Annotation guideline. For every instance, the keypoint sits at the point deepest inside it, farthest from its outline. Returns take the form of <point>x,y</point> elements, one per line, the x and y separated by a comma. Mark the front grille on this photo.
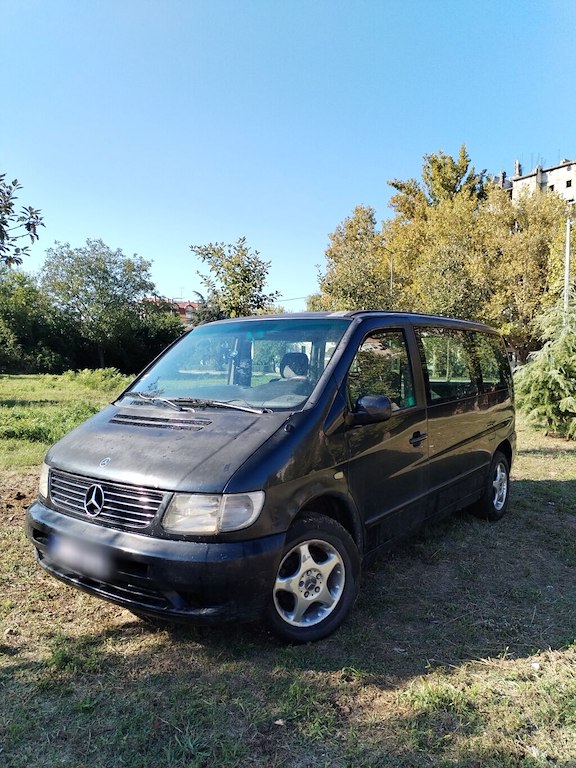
<point>127,507</point>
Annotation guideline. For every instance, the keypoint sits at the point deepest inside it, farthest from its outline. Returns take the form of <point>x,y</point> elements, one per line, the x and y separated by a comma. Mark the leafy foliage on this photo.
<point>546,386</point>
<point>102,294</point>
<point>456,245</point>
<point>208,309</point>
<point>531,262</point>
<point>356,276</point>
<point>33,334</point>
<point>444,178</point>
<point>89,308</point>
<point>236,283</point>
<point>14,225</point>
<point>10,350</point>
<point>102,379</point>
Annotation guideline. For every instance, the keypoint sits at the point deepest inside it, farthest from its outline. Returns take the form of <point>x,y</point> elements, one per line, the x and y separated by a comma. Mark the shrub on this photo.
<point>103,379</point>
<point>546,386</point>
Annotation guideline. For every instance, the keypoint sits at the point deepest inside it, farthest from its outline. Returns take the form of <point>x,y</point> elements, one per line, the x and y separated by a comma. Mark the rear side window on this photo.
<point>494,366</point>
<point>449,362</point>
<point>382,367</point>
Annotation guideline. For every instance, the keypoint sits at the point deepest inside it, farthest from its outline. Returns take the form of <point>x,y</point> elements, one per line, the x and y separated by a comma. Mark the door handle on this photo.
<point>418,438</point>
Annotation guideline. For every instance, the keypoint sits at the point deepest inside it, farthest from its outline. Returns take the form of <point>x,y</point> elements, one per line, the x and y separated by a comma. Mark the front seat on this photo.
<point>294,365</point>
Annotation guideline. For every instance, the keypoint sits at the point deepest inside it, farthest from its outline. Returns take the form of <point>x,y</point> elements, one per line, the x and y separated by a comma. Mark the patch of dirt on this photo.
<point>17,491</point>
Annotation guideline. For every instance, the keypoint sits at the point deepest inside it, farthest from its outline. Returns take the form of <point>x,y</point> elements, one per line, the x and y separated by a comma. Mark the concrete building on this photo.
<point>558,178</point>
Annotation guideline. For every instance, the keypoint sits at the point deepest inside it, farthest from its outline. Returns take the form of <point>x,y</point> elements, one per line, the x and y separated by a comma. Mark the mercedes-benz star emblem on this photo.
<point>94,501</point>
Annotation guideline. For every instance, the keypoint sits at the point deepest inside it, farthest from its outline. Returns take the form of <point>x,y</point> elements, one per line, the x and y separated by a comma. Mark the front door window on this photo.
<point>382,367</point>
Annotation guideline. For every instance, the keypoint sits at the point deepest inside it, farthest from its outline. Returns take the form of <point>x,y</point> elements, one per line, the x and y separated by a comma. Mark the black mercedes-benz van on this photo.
<point>250,469</point>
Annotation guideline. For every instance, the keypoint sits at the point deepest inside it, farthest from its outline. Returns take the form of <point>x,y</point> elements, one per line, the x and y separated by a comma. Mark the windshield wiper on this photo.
<point>199,403</point>
<point>157,400</point>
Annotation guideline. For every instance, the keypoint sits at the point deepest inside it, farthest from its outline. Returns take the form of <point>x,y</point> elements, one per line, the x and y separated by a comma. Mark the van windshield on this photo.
<point>269,364</point>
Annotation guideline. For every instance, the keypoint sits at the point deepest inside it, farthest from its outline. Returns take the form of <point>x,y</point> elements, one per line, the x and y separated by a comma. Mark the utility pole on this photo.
<point>567,269</point>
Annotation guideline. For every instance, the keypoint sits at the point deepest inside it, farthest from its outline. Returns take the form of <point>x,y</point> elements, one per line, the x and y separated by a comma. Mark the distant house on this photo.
<point>185,309</point>
<point>559,178</point>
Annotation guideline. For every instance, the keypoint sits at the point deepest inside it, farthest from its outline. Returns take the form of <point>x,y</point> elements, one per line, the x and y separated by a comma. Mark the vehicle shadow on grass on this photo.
<point>468,589</point>
<point>113,691</point>
<point>461,590</point>
<point>181,702</point>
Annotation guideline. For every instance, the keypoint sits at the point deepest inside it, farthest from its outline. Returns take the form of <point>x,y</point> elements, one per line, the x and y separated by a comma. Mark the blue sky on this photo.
<point>157,124</point>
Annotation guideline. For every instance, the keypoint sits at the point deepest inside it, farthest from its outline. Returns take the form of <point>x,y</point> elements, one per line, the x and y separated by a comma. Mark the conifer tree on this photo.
<point>546,386</point>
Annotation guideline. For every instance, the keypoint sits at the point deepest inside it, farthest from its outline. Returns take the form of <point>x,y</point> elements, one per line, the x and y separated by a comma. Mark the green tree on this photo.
<point>434,238</point>
<point>14,225</point>
<point>530,272</point>
<point>398,266</point>
<point>488,259</point>
<point>456,245</point>
<point>34,336</point>
<point>149,328</point>
<point>443,178</point>
<point>358,273</point>
<point>101,292</point>
<point>236,280</point>
<point>12,357</point>
<point>546,386</point>
<point>315,302</point>
<point>207,311</point>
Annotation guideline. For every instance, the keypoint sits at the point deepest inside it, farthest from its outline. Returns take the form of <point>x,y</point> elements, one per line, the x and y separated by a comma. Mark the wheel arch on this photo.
<point>506,448</point>
<point>341,511</point>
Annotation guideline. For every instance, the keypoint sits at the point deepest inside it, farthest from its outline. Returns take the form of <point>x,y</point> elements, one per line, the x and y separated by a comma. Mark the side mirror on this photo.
<point>370,409</point>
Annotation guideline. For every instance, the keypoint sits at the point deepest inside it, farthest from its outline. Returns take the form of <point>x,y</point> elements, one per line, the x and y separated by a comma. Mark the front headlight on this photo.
<point>44,477</point>
<point>196,513</point>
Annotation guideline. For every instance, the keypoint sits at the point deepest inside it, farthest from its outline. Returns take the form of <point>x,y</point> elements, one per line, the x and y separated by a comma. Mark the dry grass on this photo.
<point>460,652</point>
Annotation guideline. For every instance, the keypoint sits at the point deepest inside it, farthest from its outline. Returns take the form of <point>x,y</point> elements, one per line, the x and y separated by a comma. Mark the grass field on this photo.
<point>460,652</point>
<point>36,410</point>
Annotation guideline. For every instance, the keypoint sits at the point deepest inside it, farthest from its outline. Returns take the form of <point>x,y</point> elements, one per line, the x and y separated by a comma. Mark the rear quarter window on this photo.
<point>458,364</point>
<point>493,362</point>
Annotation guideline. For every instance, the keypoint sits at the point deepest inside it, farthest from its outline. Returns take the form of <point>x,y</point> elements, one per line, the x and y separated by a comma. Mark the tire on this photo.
<point>494,504</point>
<point>316,582</point>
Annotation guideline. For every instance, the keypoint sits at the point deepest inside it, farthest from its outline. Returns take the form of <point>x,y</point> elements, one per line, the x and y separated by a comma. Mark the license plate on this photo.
<point>80,557</point>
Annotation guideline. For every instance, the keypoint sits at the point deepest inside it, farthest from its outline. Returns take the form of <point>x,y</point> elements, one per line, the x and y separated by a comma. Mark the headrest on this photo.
<point>294,364</point>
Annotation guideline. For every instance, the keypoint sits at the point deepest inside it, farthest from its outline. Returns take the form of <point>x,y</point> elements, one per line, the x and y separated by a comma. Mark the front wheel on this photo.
<point>317,580</point>
<point>494,504</point>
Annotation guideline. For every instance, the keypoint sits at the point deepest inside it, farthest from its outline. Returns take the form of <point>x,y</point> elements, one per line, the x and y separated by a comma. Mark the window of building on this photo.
<point>569,183</point>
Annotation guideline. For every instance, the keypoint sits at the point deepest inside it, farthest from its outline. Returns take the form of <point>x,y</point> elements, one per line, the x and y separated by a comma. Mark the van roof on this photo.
<point>389,314</point>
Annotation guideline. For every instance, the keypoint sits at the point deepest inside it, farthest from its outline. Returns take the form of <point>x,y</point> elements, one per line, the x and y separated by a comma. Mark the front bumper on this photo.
<point>202,583</point>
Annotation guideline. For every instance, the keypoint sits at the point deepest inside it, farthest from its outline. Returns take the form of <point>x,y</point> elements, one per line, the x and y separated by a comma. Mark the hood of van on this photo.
<point>169,450</point>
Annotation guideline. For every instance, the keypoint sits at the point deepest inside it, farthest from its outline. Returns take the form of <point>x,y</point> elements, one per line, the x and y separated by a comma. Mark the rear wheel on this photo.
<point>494,504</point>
<point>317,580</point>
